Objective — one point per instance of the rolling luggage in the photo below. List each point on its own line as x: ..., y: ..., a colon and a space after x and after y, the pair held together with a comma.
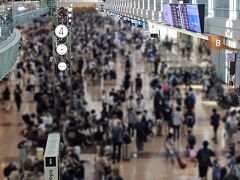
x: 192, y: 155
x: 181, y: 161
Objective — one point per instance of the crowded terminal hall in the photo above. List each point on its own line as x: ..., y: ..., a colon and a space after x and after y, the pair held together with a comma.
x: 120, y: 90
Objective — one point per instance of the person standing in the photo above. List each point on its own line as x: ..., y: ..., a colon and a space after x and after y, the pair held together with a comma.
x: 6, y: 98
x: 31, y: 84
x: 177, y: 120
x: 178, y: 97
x: 192, y: 96
x: 191, y: 140
x: 140, y: 136
x: 126, y: 81
x: 18, y: 97
x: 215, y: 121
x: 138, y: 83
x: 117, y: 137
x: 189, y: 118
x: 131, y: 115
x: 156, y: 63
x: 204, y: 160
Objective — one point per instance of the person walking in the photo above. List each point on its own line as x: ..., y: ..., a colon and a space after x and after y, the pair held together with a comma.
x: 204, y: 160
x: 170, y: 148
x: 18, y: 97
x: 138, y: 83
x: 215, y: 121
x: 6, y: 98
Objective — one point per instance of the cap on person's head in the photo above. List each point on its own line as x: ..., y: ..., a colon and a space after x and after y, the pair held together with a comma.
x: 205, y: 143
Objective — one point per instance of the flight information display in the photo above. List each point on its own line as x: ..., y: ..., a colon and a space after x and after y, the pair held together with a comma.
x: 176, y: 17
x: 185, y: 16
x: 167, y: 14
x: 193, y: 18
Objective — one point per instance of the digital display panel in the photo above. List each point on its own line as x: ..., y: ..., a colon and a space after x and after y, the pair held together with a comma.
x: 193, y: 18
x: 184, y: 16
x: 167, y: 14
x: 176, y: 17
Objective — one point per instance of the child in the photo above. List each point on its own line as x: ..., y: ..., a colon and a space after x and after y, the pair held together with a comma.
x: 216, y: 173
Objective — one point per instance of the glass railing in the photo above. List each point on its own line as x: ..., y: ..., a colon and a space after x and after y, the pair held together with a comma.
x: 6, y: 21
x: 21, y: 7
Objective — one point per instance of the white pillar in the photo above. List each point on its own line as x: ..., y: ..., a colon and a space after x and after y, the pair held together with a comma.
x: 210, y: 8
x: 233, y: 9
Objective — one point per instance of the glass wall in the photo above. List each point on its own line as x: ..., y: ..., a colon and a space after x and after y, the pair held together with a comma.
x: 221, y: 8
x: 238, y: 9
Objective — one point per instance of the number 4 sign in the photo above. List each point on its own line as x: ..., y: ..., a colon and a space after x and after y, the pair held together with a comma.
x: 61, y: 31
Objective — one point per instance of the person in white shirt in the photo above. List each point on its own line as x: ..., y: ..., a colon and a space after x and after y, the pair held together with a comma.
x: 140, y: 106
x: 131, y: 103
x: 104, y: 99
x: 31, y: 82
x: 177, y: 119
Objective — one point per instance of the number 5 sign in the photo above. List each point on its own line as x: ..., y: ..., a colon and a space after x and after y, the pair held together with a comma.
x: 61, y: 31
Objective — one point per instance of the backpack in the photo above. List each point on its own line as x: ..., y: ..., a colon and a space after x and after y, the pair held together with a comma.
x: 127, y: 139
x: 174, y: 81
x: 216, y: 172
x: 204, y: 159
x: 192, y: 98
x: 165, y: 87
x: 190, y: 120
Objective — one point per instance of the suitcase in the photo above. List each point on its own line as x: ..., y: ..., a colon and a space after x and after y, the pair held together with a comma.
x: 181, y: 161
x: 192, y: 155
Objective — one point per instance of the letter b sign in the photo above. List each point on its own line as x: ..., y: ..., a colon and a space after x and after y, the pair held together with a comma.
x: 216, y: 42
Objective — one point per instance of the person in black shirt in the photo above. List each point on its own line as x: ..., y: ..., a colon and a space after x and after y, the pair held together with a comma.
x: 204, y: 160
x: 126, y: 81
x: 215, y: 119
x: 140, y: 136
x: 18, y: 97
x: 138, y: 83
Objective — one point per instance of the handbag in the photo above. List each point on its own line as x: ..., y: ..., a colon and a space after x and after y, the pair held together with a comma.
x: 127, y: 139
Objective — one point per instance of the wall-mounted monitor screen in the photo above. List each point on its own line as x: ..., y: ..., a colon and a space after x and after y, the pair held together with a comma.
x: 193, y: 18
x: 167, y: 14
x: 176, y: 17
x: 185, y: 16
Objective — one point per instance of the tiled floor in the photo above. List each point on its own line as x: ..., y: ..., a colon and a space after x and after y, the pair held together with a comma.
x: 152, y: 166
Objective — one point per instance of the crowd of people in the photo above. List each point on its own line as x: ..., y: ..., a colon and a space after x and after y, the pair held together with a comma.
x: 124, y: 118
